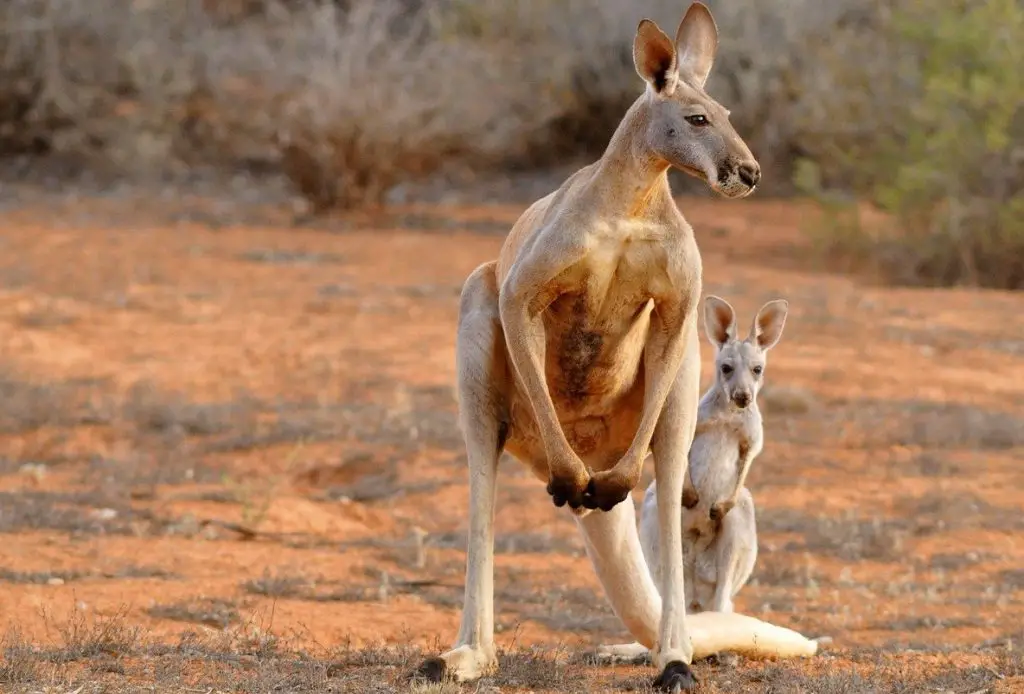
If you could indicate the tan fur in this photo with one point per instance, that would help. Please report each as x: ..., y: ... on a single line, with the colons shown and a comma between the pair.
x: 578, y: 348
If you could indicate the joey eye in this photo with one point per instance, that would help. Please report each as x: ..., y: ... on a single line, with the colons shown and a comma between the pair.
x: 697, y: 120
x: 757, y: 370
x: 726, y: 369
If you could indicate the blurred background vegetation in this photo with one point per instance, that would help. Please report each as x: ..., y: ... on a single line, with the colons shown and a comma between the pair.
x: 914, y: 108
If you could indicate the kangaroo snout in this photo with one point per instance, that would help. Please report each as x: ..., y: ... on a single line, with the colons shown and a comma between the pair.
x: 750, y: 173
x: 738, y: 179
x: 742, y: 398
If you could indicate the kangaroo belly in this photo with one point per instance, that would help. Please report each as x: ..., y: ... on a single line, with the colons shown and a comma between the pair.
x: 599, y: 440
x: 714, y: 464
x: 593, y: 359
x: 593, y: 366
x: 596, y: 382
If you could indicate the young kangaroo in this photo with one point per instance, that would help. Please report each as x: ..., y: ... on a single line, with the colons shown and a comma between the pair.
x: 719, y: 530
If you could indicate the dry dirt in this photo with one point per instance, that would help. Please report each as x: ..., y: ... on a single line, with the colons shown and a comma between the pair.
x: 230, y: 462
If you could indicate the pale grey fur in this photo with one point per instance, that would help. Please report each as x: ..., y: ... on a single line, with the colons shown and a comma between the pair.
x: 718, y: 518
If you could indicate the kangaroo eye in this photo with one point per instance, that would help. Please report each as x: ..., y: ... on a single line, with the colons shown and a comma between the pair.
x: 726, y: 369
x: 757, y: 370
x: 699, y: 121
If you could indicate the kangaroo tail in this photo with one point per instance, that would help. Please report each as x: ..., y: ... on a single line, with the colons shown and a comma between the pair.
x: 613, y: 544
x: 714, y: 632
x: 717, y: 632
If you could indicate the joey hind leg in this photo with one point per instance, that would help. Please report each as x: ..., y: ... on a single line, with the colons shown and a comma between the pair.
x: 483, y: 414
x: 735, y: 555
x: 624, y: 654
x: 736, y: 552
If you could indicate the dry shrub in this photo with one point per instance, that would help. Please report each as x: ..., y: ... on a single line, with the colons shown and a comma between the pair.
x: 106, y: 79
x: 357, y: 101
x: 576, y: 56
x: 353, y: 97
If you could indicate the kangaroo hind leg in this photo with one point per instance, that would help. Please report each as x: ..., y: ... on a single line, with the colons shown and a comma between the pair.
x: 480, y: 361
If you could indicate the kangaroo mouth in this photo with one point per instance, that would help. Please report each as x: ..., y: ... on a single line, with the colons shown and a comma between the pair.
x: 693, y: 171
x: 731, y: 185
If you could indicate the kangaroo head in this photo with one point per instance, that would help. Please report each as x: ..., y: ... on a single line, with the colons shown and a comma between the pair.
x: 686, y: 127
x: 739, y: 365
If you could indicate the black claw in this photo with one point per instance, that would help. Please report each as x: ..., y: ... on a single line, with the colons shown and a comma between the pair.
x: 690, y: 498
x: 556, y: 496
x: 676, y: 677
x: 606, y: 507
x: 718, y: 512
x: 432, y: 670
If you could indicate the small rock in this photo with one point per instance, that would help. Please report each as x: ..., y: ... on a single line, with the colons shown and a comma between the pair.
x: 36, y: 471
x: 103, y: 514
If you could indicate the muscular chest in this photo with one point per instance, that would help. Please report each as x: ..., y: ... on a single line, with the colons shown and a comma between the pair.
x: 620, y: 276
x: 597, y: 324
x: 617, y: 277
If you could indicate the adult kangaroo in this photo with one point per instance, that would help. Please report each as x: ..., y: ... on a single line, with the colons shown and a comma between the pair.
x: 577, y: 352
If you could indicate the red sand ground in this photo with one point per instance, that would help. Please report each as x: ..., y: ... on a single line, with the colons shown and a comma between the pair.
x: 297, y: 383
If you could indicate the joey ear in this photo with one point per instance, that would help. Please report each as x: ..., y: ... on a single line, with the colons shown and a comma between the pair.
x: 654, y: 56
x: 768, y: 324
x: 719, y: 320
x: 696, y: 43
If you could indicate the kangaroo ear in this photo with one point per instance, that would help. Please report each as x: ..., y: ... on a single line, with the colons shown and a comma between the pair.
x: 768, y: 324
x: 697, y: 43
x: 719, y: 321
x: 654, y: 56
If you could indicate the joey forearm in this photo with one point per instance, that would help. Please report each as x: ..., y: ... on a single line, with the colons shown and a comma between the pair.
x: 748, y: 450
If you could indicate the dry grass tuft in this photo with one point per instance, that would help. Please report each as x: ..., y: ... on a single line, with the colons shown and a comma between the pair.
x: 19, y: 665
x: 213, y: 612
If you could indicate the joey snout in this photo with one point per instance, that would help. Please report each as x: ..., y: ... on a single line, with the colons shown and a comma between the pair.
x: 742, y: 398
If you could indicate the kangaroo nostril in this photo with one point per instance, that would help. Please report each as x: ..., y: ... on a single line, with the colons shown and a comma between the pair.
x: 750, y: 174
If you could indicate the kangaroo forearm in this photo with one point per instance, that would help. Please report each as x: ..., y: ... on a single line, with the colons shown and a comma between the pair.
x: 748, y: 451
x: 741, y: 479
x: 659, y: 379
x: 526, y: 350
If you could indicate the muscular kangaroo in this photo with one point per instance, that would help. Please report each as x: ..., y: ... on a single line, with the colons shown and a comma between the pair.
x: 577, y: 352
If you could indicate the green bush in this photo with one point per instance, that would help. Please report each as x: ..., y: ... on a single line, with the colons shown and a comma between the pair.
x: 946, y: 160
